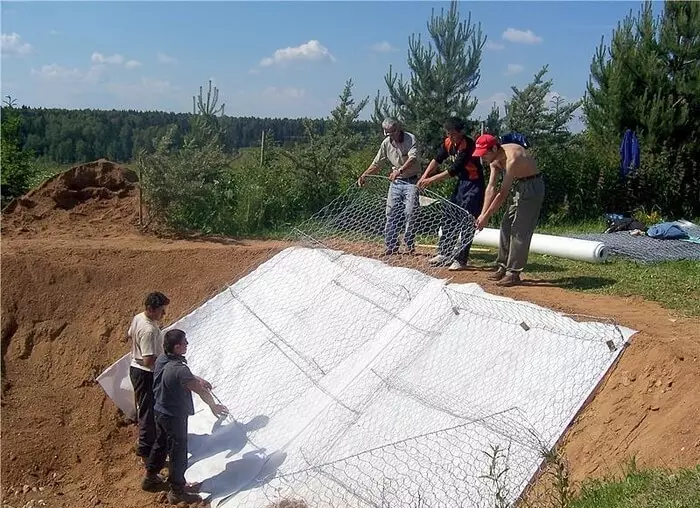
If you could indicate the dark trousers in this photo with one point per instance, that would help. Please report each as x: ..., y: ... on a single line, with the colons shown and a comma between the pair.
x: 469, y: 195
x: 142, y: 382
x: 171, y: 439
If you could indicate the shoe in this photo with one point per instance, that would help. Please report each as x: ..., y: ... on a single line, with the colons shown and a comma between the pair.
x: 439, y: 260
x: 457, y: 266
x: 390, y: 252
x: 154, y: 483
x: 509, y: 280
x: 177, y: 497
x: 498, y: 274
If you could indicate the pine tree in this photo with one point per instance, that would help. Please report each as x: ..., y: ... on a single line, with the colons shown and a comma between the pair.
x: 529, y: 113
x: 345, y: 114
x: 648, y: 80
x: 444, y: 74
x: 17, y: 170
x: 205, y: 125
x: 494, y: 122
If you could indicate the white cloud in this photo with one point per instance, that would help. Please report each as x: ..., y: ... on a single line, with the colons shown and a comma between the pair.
x: 312, y: 51
x: 383, y: 47
x: 494, y: 46
x: 55, y: 32
x: 58, y: 74
x: 12, y: 45
x: 551, y: 95
x: 132, y: 64
x: 521, y: 36
x: 274, y: 92
x: 514, y: 69
x: 99, y: 58
x: 166, y: 59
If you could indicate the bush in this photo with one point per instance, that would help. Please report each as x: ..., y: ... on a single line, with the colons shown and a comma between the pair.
x: 189, y: 189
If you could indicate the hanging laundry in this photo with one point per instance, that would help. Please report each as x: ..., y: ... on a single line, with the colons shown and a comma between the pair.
x: 629, y: 153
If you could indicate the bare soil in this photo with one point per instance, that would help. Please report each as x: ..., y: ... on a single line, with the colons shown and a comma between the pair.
x: 75, y: 268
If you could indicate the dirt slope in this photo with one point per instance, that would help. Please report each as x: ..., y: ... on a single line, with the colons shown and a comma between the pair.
x: 72, y: 277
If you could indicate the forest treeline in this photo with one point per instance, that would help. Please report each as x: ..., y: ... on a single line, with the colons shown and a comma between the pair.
x: 74, y: 136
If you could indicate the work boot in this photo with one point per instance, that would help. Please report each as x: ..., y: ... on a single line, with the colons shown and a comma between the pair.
x: 498, y: 274
x: 510, y: 279
x: 154, y: 483
x: 181, y: 496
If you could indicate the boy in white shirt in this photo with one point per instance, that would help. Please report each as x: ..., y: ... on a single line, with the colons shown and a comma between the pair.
x: 146, y: 346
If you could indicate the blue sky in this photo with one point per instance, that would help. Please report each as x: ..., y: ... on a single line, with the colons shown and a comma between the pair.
x: 283, y: 59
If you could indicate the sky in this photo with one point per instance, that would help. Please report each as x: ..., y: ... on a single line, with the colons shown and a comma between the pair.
x: 277, y: 59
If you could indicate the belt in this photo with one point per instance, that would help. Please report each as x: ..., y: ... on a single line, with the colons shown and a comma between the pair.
x: 531, y: 177
x: 407, y: 178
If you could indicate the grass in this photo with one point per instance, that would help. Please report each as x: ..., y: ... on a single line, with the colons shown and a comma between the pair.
x: 649, y: 488
x: 673, y: 284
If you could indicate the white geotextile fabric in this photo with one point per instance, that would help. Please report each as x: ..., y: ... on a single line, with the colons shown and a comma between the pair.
x: 354, y: 383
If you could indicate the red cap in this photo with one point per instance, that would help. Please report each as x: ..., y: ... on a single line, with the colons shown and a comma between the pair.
x: 484, y: 143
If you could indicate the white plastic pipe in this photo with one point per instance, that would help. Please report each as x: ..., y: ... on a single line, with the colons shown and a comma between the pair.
x: 559, y: 246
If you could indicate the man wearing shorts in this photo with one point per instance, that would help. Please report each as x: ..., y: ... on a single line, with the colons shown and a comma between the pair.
x: 520, y: 171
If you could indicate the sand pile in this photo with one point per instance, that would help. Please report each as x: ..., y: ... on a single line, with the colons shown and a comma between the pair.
x: 78, y: 200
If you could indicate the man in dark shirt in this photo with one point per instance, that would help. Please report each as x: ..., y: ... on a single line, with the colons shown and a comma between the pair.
x: 173, y: 384
x: 468, y: 194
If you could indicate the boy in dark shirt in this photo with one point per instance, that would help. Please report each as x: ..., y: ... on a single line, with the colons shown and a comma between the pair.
x: 468, y: 194
x: 173, y: 384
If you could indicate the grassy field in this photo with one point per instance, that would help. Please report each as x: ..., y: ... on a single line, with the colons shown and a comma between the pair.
x: 673, y: 284
x: 652, y: 488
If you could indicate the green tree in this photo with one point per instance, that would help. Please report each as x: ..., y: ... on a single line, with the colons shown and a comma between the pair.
x: 648, y: 80
x: 16, y: 163
x: 343, y: 119
x: 531, y: 113
x: 321, y: 163
x: 444, y: 74
x: 494, y: 121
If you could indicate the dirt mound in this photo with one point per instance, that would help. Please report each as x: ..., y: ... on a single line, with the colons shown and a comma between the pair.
x: 99, y: 198
x: 67, y: 302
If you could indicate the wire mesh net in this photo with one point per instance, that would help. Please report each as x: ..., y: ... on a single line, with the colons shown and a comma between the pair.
x: 378, y: 385
x: 644, y: 249
x: 399, y: 224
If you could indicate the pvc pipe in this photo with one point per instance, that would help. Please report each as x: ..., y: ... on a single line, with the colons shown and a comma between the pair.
x: 559, y: 246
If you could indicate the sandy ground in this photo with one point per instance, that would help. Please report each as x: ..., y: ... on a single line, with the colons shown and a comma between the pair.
x: 74, y: 271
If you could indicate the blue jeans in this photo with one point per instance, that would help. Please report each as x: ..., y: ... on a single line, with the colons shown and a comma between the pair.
x: 469, y: 195
x: 401, y: 191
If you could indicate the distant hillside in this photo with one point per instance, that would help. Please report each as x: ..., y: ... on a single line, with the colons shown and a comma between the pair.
x: 70, y: 136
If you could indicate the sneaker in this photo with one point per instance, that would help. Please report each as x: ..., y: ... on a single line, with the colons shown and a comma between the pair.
x: 439, y: 260
x: 154, y: 483
x: 182, y: 497
x: 457, y: 266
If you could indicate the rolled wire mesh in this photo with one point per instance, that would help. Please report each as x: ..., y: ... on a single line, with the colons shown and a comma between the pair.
x: 390, y: 387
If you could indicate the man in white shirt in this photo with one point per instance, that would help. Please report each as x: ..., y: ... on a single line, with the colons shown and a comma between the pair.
x: 400, y: 149
x: 146, y: 346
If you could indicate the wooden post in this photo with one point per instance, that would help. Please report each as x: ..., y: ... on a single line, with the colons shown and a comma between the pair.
x: 482, y: 128
x: 140, y: 199
x: 262, y: 148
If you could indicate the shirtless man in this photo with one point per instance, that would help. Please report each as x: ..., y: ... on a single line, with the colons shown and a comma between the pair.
x: 519, y: 221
